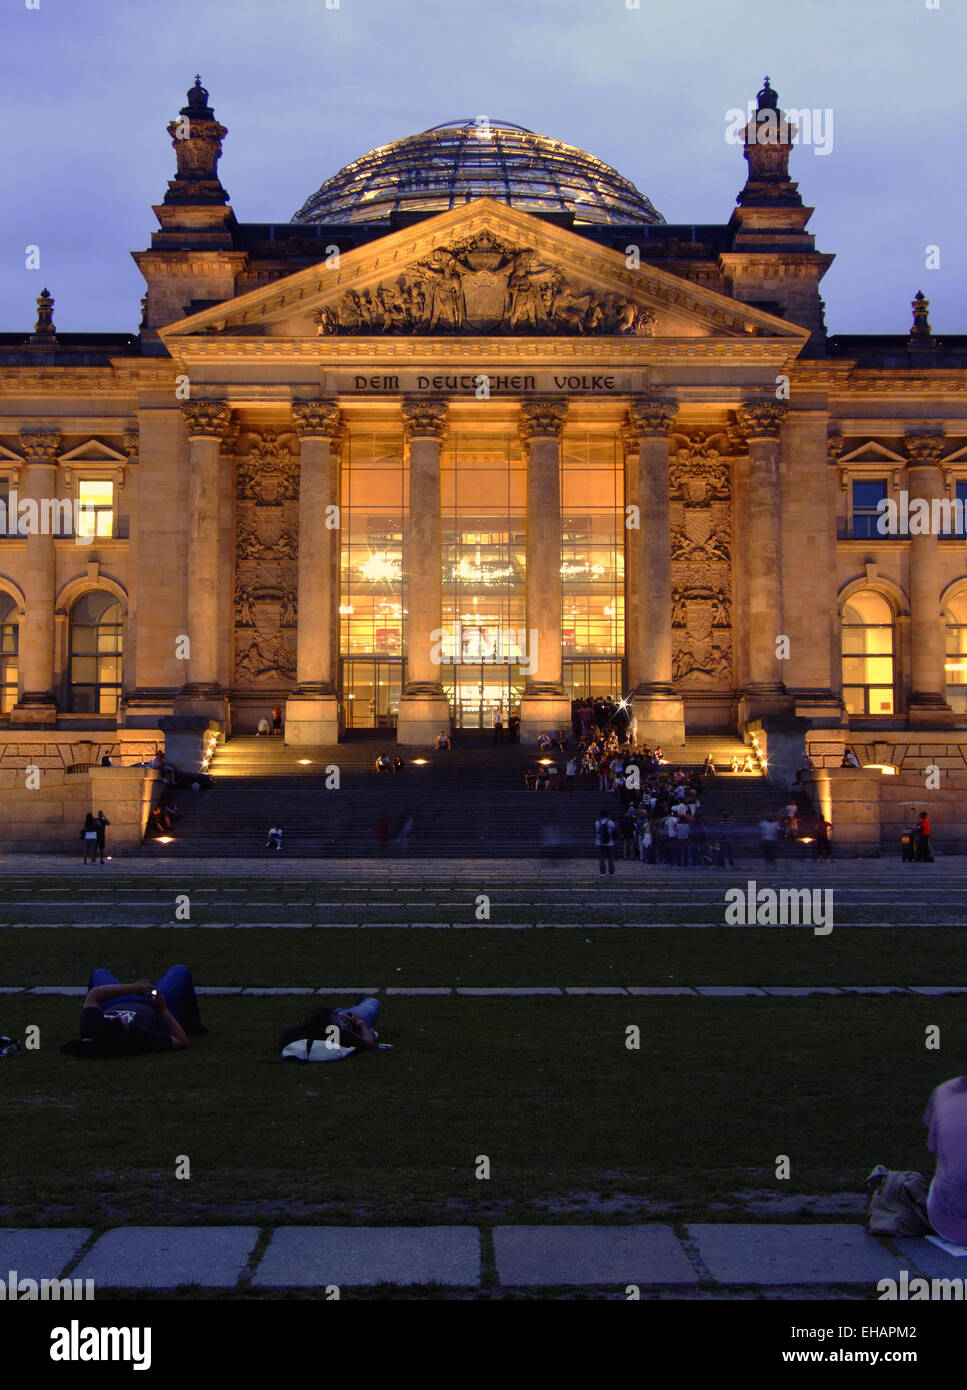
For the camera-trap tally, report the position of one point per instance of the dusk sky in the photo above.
(90, 85)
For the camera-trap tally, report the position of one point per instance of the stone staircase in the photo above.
(469, 803)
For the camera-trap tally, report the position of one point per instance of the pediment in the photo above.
(93, 451)
(483, 270)
(871, 452)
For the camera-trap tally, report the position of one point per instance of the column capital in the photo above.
(759, 420)
(42, 445)
(542, 419)
(650, 418)
(317, 419)
(424, 419)
(924, 450)
(207, 419)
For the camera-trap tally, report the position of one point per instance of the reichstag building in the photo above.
(477, 429)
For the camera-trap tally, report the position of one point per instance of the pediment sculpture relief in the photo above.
(483, 285)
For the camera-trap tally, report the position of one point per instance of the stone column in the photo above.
(761, 423)
(424, 710)
(656, 706)
(928, 704)
(809, 566)
(545, 705)
(312, 709)
(38, 704)
(206, 423)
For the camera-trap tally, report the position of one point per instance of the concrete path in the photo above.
(705, 1259)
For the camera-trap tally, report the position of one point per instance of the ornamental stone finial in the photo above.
(424, 419)
(921, 321)
(319, 418)
(44, 330)
(207, 419)
(924, 450)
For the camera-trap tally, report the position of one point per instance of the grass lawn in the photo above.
(482, 956)
(574, 1124)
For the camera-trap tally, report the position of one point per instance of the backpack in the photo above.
(898, 1203)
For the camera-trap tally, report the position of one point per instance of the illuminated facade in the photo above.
(478, 430)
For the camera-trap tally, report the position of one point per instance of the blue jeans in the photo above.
(176, 986)
(367, 1008)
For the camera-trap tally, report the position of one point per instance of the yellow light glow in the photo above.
(305, 762)
(886, 768)
(380, 566)
(165, 839)
(419, 762)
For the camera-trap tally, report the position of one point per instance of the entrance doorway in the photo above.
(476, 692)
(371, 693)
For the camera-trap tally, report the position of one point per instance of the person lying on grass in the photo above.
(124, 1020)
(332, 1035)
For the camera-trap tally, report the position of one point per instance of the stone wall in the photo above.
(48, 817)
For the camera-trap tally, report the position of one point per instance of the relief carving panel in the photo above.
(701, 552)
(266, 561)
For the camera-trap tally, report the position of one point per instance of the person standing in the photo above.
(604, 833)
(769, 834)
(923, 843)
(498, 726)
(89, 836)
(102, 823)
(277, 720)
(822, 848)
(726, 841)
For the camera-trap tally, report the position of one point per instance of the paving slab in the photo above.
(258, 992)
(594, 989)
(314, 1256)
(874, 989)
(164, 1257)
(71, 990)
(509, 990)
(937, 989)
(341, 989)
(799, 991)
(539, 1255)
(427, 989)
(218, 989)
(728, 991)
(13, 989)
(926, 1258)
(661, 990)
(780, 1254)
(40, 1254)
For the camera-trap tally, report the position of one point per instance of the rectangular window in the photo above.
(95, 508)
(866, 497)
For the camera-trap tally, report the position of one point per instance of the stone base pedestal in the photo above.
(311, 720)
(659, 716)
(35, 713)
(759, 701)
(544, 712)
(924, 715)
(423, 714)
(202, 702)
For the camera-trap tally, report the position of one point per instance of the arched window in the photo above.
(955, 617)
(9, 659)
(96, 643)
(868, 655)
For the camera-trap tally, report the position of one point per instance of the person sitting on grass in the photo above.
(332, 1035)
(125, 1020)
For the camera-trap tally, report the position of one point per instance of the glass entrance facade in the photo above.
(483, 493)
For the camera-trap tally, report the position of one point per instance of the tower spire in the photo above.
(197, 139)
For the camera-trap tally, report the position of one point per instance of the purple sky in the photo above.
(89, 87)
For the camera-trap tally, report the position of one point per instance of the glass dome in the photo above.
(462, 160)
